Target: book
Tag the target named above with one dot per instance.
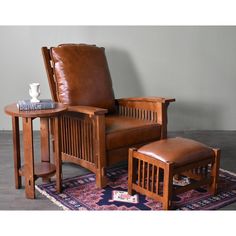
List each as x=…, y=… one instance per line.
x=27, y=105
x=123, y=196
x=183, y=181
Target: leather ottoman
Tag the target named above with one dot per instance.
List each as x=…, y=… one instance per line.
x=168, y=167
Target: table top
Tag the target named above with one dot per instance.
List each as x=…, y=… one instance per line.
x=13, y=110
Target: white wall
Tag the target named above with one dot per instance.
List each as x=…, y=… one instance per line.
x=196, y=65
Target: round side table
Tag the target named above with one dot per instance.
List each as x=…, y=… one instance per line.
x=30, y=170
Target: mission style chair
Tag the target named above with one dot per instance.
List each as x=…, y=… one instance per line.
x=98, y=129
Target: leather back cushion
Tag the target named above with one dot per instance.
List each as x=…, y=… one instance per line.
x=82, y=76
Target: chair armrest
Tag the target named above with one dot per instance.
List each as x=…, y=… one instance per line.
x=146, y=99
x=146, y=108
x=91, y=111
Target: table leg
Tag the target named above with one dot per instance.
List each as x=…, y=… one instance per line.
x=58, y=162
x=16, y=145
x=45, y=142
x=28, y=157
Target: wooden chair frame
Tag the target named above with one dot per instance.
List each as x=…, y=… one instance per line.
x=83, y=127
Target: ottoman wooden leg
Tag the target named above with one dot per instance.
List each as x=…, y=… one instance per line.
x=215, y=171
x=167, y=186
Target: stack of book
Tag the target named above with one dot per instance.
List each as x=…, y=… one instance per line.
x=27, y=105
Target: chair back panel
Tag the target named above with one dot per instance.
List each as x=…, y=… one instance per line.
x=82, y=76
x=50, y=73
x=78, y=74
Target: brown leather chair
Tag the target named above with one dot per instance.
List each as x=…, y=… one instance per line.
x=98, y=129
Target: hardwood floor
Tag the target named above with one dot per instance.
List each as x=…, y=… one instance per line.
x=12, y=199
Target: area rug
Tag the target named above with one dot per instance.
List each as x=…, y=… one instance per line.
x=80, y=193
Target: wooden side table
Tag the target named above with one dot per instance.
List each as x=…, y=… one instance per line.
x=30, y=170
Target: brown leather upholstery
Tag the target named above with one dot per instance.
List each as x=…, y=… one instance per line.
x=124, y=131
x=82, y=76
x=177, y=150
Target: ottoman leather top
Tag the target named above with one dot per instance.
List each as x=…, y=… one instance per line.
x=177, y=150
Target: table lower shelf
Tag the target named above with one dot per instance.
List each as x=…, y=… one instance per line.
x=41, y=169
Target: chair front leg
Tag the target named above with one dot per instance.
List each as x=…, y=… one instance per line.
x=162, y=118
x=100, y=151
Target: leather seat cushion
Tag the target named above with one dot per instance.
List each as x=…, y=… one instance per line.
x=82, y=76
x=123, y=131
x=179, y=151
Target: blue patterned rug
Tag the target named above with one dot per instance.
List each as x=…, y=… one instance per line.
x=80, y=193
